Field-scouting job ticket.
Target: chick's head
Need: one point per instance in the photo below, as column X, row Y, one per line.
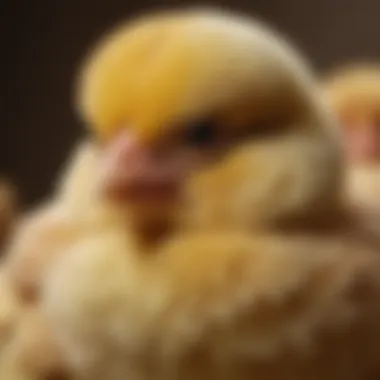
column 219, row 108
column 354, row 90
column 354, row 93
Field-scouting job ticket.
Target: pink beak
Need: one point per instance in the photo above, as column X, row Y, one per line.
column 132, row 171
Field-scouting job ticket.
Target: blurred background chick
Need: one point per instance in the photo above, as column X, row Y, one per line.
column 353, row 91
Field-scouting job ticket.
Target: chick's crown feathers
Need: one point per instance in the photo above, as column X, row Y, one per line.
column 154, row 73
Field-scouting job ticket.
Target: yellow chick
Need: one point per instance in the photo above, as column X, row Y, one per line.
column 255, row 274
column 27, row 347
column 42, row 234
column 175, row 78
column 222, row 250
column 354, row 93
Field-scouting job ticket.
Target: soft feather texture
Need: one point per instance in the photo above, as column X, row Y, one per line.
column 363, row 183
column 32, row 353
column 28, row 350
column 230, row 295
column 44, row 233
column 220, row 307
column 152, row 74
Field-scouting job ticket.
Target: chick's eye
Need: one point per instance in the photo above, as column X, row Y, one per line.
column 201, row 133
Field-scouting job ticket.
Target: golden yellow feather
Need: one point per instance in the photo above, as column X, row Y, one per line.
column 157, row 72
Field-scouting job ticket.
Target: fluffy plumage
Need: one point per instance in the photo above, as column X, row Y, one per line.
column 363, row 187
column 31, row 352
column 153, row 74
column 27, row 346
column 220, row 307
column 44, row 233
column 260, row 274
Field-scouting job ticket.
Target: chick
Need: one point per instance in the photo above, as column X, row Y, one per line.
column 28, row 349
column 45, row 232
column 354, row 93
column 235, row 259
column 212, row 127
column 192, row 88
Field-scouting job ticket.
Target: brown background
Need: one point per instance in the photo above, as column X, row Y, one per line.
column 42, row 42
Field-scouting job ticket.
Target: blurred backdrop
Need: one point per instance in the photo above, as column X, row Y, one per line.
column 43, row 42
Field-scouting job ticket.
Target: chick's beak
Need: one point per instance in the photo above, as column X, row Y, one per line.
column 132, row 171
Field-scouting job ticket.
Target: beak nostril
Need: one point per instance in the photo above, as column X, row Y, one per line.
column 136, row 171
column 126, row 147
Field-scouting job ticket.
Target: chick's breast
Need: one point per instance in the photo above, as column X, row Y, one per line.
column 219, row 307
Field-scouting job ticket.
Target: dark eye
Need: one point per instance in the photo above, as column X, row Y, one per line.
column 201, row 133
